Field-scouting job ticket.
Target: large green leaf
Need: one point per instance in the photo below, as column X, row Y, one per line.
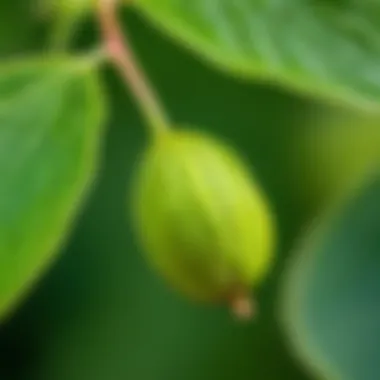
column 326, row 48
column 50, row 127
column 332, row 308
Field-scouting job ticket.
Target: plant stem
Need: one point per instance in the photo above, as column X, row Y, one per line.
column 122, row 56
column 64, row 30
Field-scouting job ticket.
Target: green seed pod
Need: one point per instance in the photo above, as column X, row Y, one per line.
column 202, row 218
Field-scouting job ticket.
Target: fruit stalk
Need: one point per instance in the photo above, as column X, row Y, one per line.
column 121, row 54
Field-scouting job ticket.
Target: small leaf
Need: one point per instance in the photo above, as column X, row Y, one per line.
column 331, row 297
column 50, row 128
column 324, row 48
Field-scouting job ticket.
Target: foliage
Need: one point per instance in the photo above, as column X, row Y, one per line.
column 99, row 311
column 330, row 297
column 51, row 116
column 320, row 47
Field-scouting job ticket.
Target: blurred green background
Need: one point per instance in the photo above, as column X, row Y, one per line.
column 100, row 313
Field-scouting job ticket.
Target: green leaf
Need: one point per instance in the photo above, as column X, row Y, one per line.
column 50, row 129
column 323, row 48
column 331, row 298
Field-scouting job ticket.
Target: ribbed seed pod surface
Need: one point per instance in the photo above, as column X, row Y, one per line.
column 201, row 216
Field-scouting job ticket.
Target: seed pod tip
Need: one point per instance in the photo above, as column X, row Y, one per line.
column 243, row 307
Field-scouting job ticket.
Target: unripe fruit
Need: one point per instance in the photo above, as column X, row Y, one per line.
column 202, row 218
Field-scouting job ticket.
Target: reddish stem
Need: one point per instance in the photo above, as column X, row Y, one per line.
column 121, row 54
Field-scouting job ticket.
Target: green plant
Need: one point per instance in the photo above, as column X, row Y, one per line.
column 203, row 219
column 318, row 51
